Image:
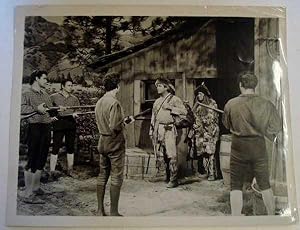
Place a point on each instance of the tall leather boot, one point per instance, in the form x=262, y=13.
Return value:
x=114, y=200
x=100, y=199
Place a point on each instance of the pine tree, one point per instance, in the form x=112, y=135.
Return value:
x=90, y=37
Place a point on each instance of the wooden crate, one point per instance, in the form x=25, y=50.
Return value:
x=139, y=164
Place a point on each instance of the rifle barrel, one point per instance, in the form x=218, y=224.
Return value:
x=74, y=107
x=209, y=107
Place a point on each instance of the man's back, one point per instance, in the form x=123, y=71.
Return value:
x=109, y=115
x=251, y=115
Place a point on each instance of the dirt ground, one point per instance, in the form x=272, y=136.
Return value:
x=77, y=197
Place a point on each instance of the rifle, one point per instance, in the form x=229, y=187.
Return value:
x=52, y=109
x=208, y=107
x=134, y=117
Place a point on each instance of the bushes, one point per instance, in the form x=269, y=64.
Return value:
x=87, y=130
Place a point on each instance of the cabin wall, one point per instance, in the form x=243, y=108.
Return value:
x=194, y=55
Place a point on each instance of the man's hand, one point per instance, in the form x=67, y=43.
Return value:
x=128, y=120
x=75, y=115
x=62, y=108
x=54, y=119
x=195, y=126
x=42, y=109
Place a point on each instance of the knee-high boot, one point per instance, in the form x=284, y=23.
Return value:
x=114, y=199
x=100, y=199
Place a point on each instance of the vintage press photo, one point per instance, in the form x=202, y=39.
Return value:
x=173, y=118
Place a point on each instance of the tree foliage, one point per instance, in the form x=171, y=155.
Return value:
x=90, y=37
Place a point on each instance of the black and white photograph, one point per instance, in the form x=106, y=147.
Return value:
x=131, y=115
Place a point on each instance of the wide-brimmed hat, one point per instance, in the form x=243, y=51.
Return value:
x=167, y=83
x=203, y=89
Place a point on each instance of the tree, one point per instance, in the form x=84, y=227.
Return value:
x=90, y=37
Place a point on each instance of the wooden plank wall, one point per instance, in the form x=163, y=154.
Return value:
x=127, y=98
x=191, y=55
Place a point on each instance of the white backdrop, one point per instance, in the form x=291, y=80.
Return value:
x=6, y=60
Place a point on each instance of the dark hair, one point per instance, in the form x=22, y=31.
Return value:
x=167, y=83
x=26, y=80
x=248, y=80
x=36, y=74
x=64, y=81
x=111, y=81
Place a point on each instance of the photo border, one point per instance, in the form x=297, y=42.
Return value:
x=131, y=10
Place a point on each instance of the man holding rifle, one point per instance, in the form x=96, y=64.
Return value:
x=36, y=99
x=65, y=126
x=163, y=131
x=111, y=146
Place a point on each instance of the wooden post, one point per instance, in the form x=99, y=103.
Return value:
x=137, y=96
x=183, y=86
x=267, y=30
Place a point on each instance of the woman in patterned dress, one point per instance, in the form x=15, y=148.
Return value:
x=204, y=135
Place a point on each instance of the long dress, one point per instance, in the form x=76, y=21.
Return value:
x=205, y=134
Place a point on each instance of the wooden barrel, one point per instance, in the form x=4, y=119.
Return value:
x=278, y=175
x=225, y=150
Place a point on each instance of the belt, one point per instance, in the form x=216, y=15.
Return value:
x=245, y=137
x=105, y=135
x=167, y=123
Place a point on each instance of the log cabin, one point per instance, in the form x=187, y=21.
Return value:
x=203, y=49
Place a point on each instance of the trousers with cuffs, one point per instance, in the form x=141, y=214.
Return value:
x=112, y=159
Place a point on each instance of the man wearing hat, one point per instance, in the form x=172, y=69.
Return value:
x=205, y=134
x=163, y=131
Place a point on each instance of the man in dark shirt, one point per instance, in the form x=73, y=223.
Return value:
x=35, y=99
x=250, y=119
x=111, y=146
x=65, y=126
